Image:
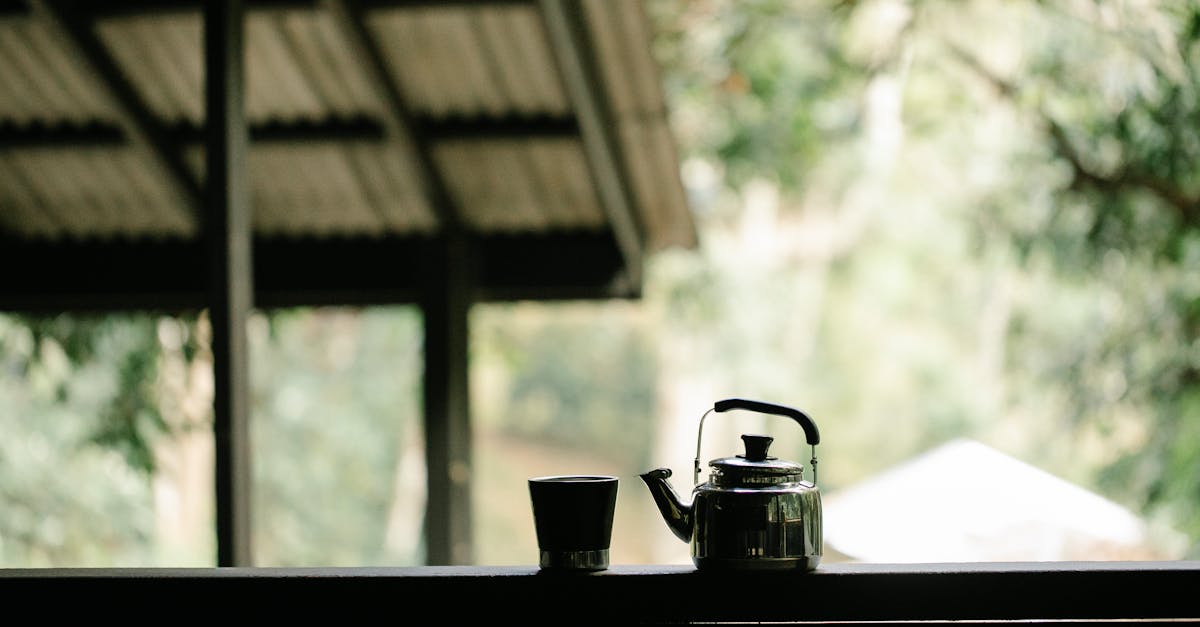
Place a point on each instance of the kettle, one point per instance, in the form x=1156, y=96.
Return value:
x=755, y=512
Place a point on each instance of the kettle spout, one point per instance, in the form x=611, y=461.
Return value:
x=677, y=513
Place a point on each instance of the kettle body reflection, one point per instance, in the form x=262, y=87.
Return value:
x=755, y=511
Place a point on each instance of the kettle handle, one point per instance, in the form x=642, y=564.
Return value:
x=811, y=434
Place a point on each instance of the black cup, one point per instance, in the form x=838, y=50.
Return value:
x=573, y=518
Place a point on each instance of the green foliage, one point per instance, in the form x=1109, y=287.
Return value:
x=68, y=498
x=131, y=419
x=760, y=86
x=1126, y=123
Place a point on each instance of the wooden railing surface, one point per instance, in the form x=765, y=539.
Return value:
x=1028, y=592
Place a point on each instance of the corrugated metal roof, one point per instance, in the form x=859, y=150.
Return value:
x=39, y=81
x=471, y=61
x=482, y=83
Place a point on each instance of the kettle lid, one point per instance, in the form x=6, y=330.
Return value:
x=755, y=466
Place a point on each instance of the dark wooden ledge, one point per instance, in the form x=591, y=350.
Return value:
x=1057, y=592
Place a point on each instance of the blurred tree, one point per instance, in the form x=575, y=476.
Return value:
x=336, y=437
x=1006, y=186
x=77, y=414
x=579, y=376
x=1115, y=97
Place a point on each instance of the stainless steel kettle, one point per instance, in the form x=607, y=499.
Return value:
x=755, y=512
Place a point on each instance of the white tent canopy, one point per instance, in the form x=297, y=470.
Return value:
x=967, y=502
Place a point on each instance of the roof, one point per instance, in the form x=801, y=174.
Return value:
x=537, y=128
x=967, y=502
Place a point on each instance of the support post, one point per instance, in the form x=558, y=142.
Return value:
x=446, y=309
x=227, y=232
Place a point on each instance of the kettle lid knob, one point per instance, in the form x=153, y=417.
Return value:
x=756, y=447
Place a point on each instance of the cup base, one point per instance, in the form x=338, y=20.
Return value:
x=574, y=560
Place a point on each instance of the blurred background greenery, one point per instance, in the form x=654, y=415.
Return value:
x=920, y=221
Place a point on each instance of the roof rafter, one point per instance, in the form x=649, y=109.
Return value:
x=571, y=41
x=398, y=120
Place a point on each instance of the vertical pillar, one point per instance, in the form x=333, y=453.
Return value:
x=446, y=308
x=227, y=231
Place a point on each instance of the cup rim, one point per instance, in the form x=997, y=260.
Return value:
x=573, y=479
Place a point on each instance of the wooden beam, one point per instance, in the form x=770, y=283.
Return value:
x=555, y=266
x=101, y=134
x=486, y=128
x=227, y=236
x=74, y=30
x=333, y=130
x=575, y=53
x=300, y=132
x=436, y=4
x=65, y=135
x=121, y=275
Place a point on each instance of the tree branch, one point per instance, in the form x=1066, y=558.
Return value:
x=1186, y=205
